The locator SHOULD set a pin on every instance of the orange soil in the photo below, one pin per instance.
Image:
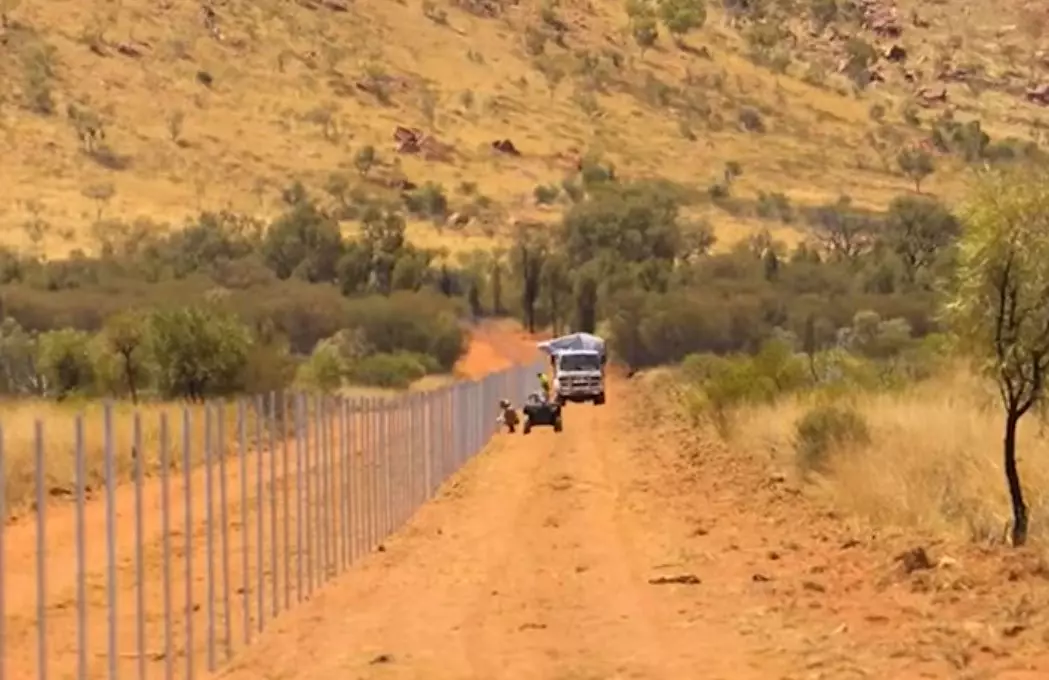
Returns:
(497, 347)
(541, 560)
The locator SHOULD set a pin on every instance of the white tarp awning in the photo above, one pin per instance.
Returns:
(574, 341)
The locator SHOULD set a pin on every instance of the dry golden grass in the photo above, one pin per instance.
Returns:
(282, 73)
(59, 436)
(934, 460)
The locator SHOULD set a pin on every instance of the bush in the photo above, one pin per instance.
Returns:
(324, 370)
(728, 383)
(397, 371)
(824, 429)
(65, 362)
(420, 323)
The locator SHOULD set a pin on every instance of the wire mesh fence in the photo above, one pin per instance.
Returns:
(185, 532)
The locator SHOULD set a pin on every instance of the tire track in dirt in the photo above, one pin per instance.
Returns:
(537, 561)
(529, 566)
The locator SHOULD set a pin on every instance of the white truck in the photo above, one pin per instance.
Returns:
(579, 367)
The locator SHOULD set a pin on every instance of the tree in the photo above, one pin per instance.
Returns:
(125, 336)
(642, 23)
(304, 241)
(199, 351)
(65, 361)
(917, 164)
(528, 255)
(918, 229)
(586, 300)
(557, 285)
(1000, 302)
(682, 16)
(844, 232)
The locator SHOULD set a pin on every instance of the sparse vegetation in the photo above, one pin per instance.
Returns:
(733, 190)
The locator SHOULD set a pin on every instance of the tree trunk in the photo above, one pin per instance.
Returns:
(1012, 476)
(129, 376)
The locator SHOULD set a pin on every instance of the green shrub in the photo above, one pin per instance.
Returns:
(397, 371)
(420, 323)
(65, 361)
(324, 369)
(825, 428)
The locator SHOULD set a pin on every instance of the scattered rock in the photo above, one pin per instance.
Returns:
(458, 220)
(415, 141)
(382, 658)
(128, 50)
(773, 555)
(954, 74)
(1013, 630)
(850, 543)
(401, 184)
(330, 5)
(881, 18)
(486, 9)
(760, 578)
(914, 560)
(813, 587)
(532, 626)
(1038, 94)
(683, 579)
(946, 562)
(928, 96)
(505, 146)
(895, 53)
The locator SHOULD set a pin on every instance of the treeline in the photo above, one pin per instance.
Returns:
(229, 303)
(626, 262)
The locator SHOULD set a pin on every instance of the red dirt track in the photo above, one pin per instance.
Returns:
(542, 560)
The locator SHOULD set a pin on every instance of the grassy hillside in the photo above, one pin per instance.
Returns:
(137, 110)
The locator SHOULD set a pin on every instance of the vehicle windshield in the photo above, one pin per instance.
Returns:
(580, 362)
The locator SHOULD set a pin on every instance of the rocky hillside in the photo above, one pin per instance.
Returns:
(122, 112)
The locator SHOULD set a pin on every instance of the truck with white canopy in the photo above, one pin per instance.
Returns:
(579, 362)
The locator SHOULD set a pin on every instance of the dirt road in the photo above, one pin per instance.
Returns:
(626, 548)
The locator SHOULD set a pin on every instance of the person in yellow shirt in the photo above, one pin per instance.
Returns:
(544, 384)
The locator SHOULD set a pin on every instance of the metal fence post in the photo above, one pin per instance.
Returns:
(41, 553)
(165, 523)
(224, 544)
(111, 535)
(260, 543)
(300, 465)
(140, 586)
(286, 495)
(187, 479)
(81, 551)
(274, 567)
(242, 436)
(209, 532)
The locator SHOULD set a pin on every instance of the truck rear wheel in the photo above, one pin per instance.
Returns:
(599, 400)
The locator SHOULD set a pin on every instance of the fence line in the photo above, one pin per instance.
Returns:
(241, 515)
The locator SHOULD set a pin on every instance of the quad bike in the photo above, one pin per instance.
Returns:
(539, 412)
